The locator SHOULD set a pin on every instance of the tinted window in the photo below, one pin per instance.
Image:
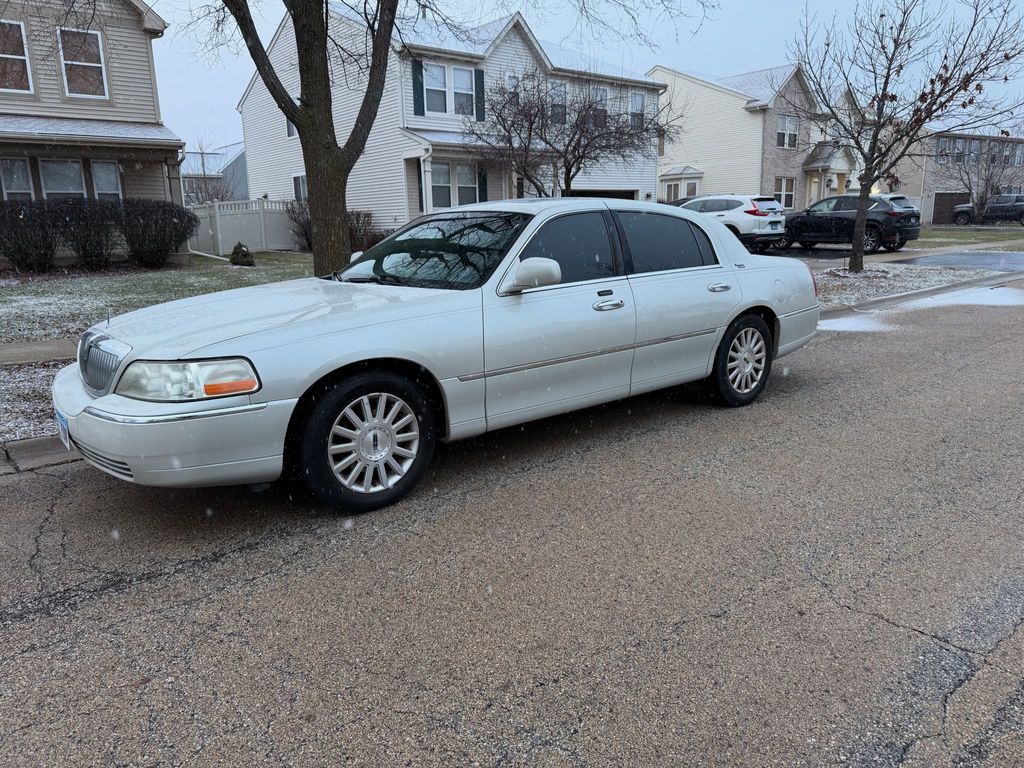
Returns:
(846, 204)
(768, 204)
(707, 253)
(825, 206)
(716, 206)
(457, 251)
(900, 202)
(732, 204)
(696, 205)
(1002, 199)
(578, 242)
(660, 242)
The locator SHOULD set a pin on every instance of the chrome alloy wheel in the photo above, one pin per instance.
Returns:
(373, 443)
(871, 241)
(747, 355)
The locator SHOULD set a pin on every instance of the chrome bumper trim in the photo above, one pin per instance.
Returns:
(801, 311)
(173, 417)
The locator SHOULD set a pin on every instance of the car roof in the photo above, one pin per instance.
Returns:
(536, 205)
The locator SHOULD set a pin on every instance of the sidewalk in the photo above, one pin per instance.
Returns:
(22, 352)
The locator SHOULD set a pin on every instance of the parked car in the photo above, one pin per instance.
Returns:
(757, 220)
(1000, 208)
(893, 221)
(459, 323)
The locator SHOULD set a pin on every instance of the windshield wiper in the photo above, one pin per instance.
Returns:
(378, 279)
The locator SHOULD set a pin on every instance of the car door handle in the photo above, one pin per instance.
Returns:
(604, 306)
(719, 287)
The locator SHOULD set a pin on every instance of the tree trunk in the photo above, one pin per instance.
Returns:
(326, 182)
(859, 227)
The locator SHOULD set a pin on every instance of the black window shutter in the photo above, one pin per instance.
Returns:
(417, 87)
(478, 75)
(481, 182)
(419, 185)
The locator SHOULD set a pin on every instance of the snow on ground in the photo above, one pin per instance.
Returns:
(26, 409)
(838, 286)
(855, 323)
(994, 296)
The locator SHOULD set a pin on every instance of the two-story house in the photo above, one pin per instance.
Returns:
(746, 134)
(79, 113)
(418, 157)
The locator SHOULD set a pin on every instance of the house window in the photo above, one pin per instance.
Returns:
(299, 188)
(943, 151)
(637, 102)
(441, 185)
(661, 143)
(465, 179)
(785, 191)
(290, 128)
(15, 73)
(106, 180)
(599, 107)
(435, 88)
(81, 55)
(465, 92)
(672, 191)
(15, 179)
(786, 129)
(691, 188)
(62, 179)
(558, 101)
(512, 86)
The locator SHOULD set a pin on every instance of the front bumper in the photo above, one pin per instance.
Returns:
(224, 442)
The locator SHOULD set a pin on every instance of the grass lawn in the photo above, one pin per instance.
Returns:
(933, 237)
(59, 307)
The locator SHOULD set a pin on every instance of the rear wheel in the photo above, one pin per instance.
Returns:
(742, 362)
(872, 240)
(785, 242)
(963, 219)
(1022, 219)
(367, 441)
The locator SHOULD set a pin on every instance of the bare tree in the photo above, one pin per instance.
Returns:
(547, 133)
(201, 175)
(982, 166)
(898, 68)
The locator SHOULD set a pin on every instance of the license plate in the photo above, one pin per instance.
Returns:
(62, 429)
(775, 225)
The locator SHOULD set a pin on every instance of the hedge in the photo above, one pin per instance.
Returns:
(32, 231)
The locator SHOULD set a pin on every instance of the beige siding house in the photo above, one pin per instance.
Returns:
(418, 157)
(743, 134)
(79, 112)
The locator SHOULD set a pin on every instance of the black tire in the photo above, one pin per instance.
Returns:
(719, 385)
(1022, 219)
(893, 247)
(810, 246)
(963, 219)
(872, 240)
(785, 242)
(312, 458)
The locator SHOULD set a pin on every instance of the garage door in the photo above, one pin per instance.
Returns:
(942, 213)
(617, 194)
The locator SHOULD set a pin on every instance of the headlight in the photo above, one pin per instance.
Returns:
(172, 382)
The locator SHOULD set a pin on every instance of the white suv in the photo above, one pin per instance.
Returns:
(757, 220)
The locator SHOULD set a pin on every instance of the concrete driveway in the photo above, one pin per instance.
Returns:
(834, 575)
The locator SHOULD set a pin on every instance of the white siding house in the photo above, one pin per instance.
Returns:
(417, 158)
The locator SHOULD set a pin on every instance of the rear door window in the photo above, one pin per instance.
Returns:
(715, 206)
(658, 242)
(579, 243)
(695, 205)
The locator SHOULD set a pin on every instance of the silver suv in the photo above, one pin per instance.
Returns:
(757, 220)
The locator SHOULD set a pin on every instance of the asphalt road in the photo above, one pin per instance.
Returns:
(832, 576)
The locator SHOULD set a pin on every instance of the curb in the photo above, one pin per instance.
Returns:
(34, 453)
(884, 302)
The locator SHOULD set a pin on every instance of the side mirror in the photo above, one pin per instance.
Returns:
(535, 272)
(355, 255)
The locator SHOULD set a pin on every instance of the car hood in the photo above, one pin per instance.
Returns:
(182, 328)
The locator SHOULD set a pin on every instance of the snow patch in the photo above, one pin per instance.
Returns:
(854, 323)
(996, 296)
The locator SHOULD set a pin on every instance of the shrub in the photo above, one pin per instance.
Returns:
(241, 256)
(27, 236)
(87, 227)
(153, 230)
(302, 226)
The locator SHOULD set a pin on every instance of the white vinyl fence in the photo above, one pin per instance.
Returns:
(260, 224)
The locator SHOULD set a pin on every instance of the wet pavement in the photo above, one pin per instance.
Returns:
(1002, 261)
(832, 576)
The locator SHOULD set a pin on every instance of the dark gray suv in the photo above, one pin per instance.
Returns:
(1000, 208)
(892, 221)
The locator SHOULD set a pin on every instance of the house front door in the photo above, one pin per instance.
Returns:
(813, 191)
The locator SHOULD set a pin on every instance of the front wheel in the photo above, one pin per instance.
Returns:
(785, 242)
(872, 240)
(963, 219)
(742, 362)
(893, 247)
(367, 441)
(1022, 219)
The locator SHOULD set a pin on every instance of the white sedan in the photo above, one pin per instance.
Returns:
(462, 322)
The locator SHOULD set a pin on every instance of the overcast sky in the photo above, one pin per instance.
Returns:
(199, 92)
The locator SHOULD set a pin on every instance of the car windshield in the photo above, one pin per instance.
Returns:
(452, 251)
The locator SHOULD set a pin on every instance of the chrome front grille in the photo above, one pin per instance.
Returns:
(99, 357)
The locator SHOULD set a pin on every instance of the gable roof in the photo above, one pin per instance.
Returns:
(151, 20)
(760, 87)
